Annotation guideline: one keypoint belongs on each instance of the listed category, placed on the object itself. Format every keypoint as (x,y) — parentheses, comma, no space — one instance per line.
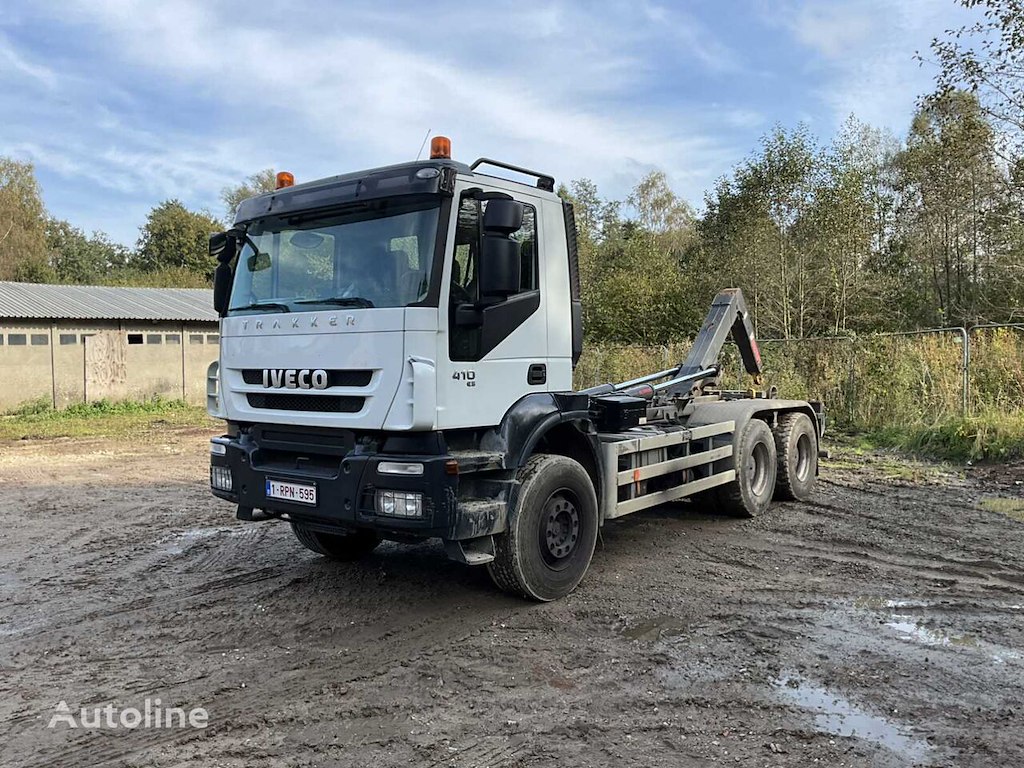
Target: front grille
(319,403)
(335,378)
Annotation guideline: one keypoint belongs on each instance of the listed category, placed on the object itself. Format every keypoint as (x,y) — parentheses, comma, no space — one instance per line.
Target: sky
(122,104)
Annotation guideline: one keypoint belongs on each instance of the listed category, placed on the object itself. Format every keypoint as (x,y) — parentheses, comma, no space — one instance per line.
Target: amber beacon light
(284,179)
(440,148)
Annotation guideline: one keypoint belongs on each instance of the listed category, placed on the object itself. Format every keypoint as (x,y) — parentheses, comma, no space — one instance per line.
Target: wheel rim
(757,469)
(803,457)
(559,529)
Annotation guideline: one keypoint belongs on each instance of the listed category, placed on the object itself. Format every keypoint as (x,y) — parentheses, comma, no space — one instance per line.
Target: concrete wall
(73,361)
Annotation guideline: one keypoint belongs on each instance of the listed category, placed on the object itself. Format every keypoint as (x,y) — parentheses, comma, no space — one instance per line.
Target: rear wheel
(797,446)
(552,530)
(347,546)
(754,456)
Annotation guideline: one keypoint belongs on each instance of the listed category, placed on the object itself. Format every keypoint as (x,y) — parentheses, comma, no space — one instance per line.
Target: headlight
(399,504)
(220,478)
(218,448)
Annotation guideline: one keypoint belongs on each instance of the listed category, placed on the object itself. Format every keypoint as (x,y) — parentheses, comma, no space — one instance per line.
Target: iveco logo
(294,379)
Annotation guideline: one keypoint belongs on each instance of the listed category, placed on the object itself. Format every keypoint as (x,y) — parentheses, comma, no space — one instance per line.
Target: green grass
(987,436)
(39,419)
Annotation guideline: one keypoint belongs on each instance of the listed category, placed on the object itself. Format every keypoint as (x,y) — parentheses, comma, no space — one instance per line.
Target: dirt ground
(882,625)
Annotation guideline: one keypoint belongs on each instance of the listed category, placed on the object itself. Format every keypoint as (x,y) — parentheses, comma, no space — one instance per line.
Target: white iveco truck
(397,350)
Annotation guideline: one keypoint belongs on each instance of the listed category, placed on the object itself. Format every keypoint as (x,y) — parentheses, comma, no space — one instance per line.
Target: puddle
(179,542)
(8,580)
(835,715)
(655,629)
(874,602)
(912,630)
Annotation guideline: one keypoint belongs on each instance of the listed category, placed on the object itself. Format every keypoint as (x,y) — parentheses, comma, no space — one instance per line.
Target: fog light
(220,478)
(400,468)
(399,504)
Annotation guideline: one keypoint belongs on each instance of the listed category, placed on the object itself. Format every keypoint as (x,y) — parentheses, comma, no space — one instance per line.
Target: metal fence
(866,381)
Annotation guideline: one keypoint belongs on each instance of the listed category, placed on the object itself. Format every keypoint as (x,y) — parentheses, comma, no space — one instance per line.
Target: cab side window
(467,248)
(526,236)
(465,338)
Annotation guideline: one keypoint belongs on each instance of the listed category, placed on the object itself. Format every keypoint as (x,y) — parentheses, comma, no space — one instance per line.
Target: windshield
(377,256)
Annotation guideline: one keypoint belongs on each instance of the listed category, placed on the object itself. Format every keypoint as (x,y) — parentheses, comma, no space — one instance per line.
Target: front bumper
(346,481)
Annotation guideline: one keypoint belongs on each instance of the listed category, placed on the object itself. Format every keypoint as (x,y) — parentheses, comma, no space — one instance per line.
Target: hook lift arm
(728,314)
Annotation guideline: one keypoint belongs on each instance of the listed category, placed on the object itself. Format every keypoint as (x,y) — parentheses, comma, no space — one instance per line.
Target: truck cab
(397,347)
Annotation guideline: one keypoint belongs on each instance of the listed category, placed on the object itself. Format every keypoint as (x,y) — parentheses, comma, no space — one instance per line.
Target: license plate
(294,492)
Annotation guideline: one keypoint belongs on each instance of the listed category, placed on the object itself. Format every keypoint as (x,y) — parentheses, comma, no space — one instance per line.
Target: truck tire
(750,493)
(797,446)
(337,546)
(552,530)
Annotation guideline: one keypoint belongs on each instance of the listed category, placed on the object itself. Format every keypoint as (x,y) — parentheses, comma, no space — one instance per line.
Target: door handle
(538,374)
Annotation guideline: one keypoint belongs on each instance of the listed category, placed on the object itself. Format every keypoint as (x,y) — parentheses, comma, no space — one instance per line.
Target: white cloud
(322,92)
(11,62)
(866,50)
(834,31)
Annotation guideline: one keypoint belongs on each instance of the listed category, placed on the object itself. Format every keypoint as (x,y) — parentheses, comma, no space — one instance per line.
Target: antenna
(425,137)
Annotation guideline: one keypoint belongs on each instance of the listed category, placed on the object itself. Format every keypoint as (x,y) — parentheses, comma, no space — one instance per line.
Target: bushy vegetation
(990,435)
(904,391)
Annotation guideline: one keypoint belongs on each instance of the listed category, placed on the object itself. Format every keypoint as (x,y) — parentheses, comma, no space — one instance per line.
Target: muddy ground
(882,625)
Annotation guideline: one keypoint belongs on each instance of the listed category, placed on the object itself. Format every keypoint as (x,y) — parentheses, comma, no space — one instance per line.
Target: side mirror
(502,217)
(223,246)
(499,267)
(222,288)
(500,260)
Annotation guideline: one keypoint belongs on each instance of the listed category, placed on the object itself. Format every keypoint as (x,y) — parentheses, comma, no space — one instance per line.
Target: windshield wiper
(274,305)
(340,301)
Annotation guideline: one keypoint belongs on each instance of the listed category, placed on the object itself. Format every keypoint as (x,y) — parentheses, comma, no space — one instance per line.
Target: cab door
(494,350)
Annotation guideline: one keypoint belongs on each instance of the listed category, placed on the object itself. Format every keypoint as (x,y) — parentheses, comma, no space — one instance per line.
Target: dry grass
(1012,508)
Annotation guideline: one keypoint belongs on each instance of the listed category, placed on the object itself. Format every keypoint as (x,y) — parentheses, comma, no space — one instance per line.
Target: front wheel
(552,530)
(347,546)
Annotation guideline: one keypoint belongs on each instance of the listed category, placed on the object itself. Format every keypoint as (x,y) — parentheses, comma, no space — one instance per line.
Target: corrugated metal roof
(30,301)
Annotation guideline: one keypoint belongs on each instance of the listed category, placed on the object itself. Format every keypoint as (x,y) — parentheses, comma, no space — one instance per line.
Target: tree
(659,210)
(636,289)
(256,184)
(754,233)
(639,293)
(987,58)
(22,224)
(174,236)
(954,210)
(596,220)
(76,258)
(848,226)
